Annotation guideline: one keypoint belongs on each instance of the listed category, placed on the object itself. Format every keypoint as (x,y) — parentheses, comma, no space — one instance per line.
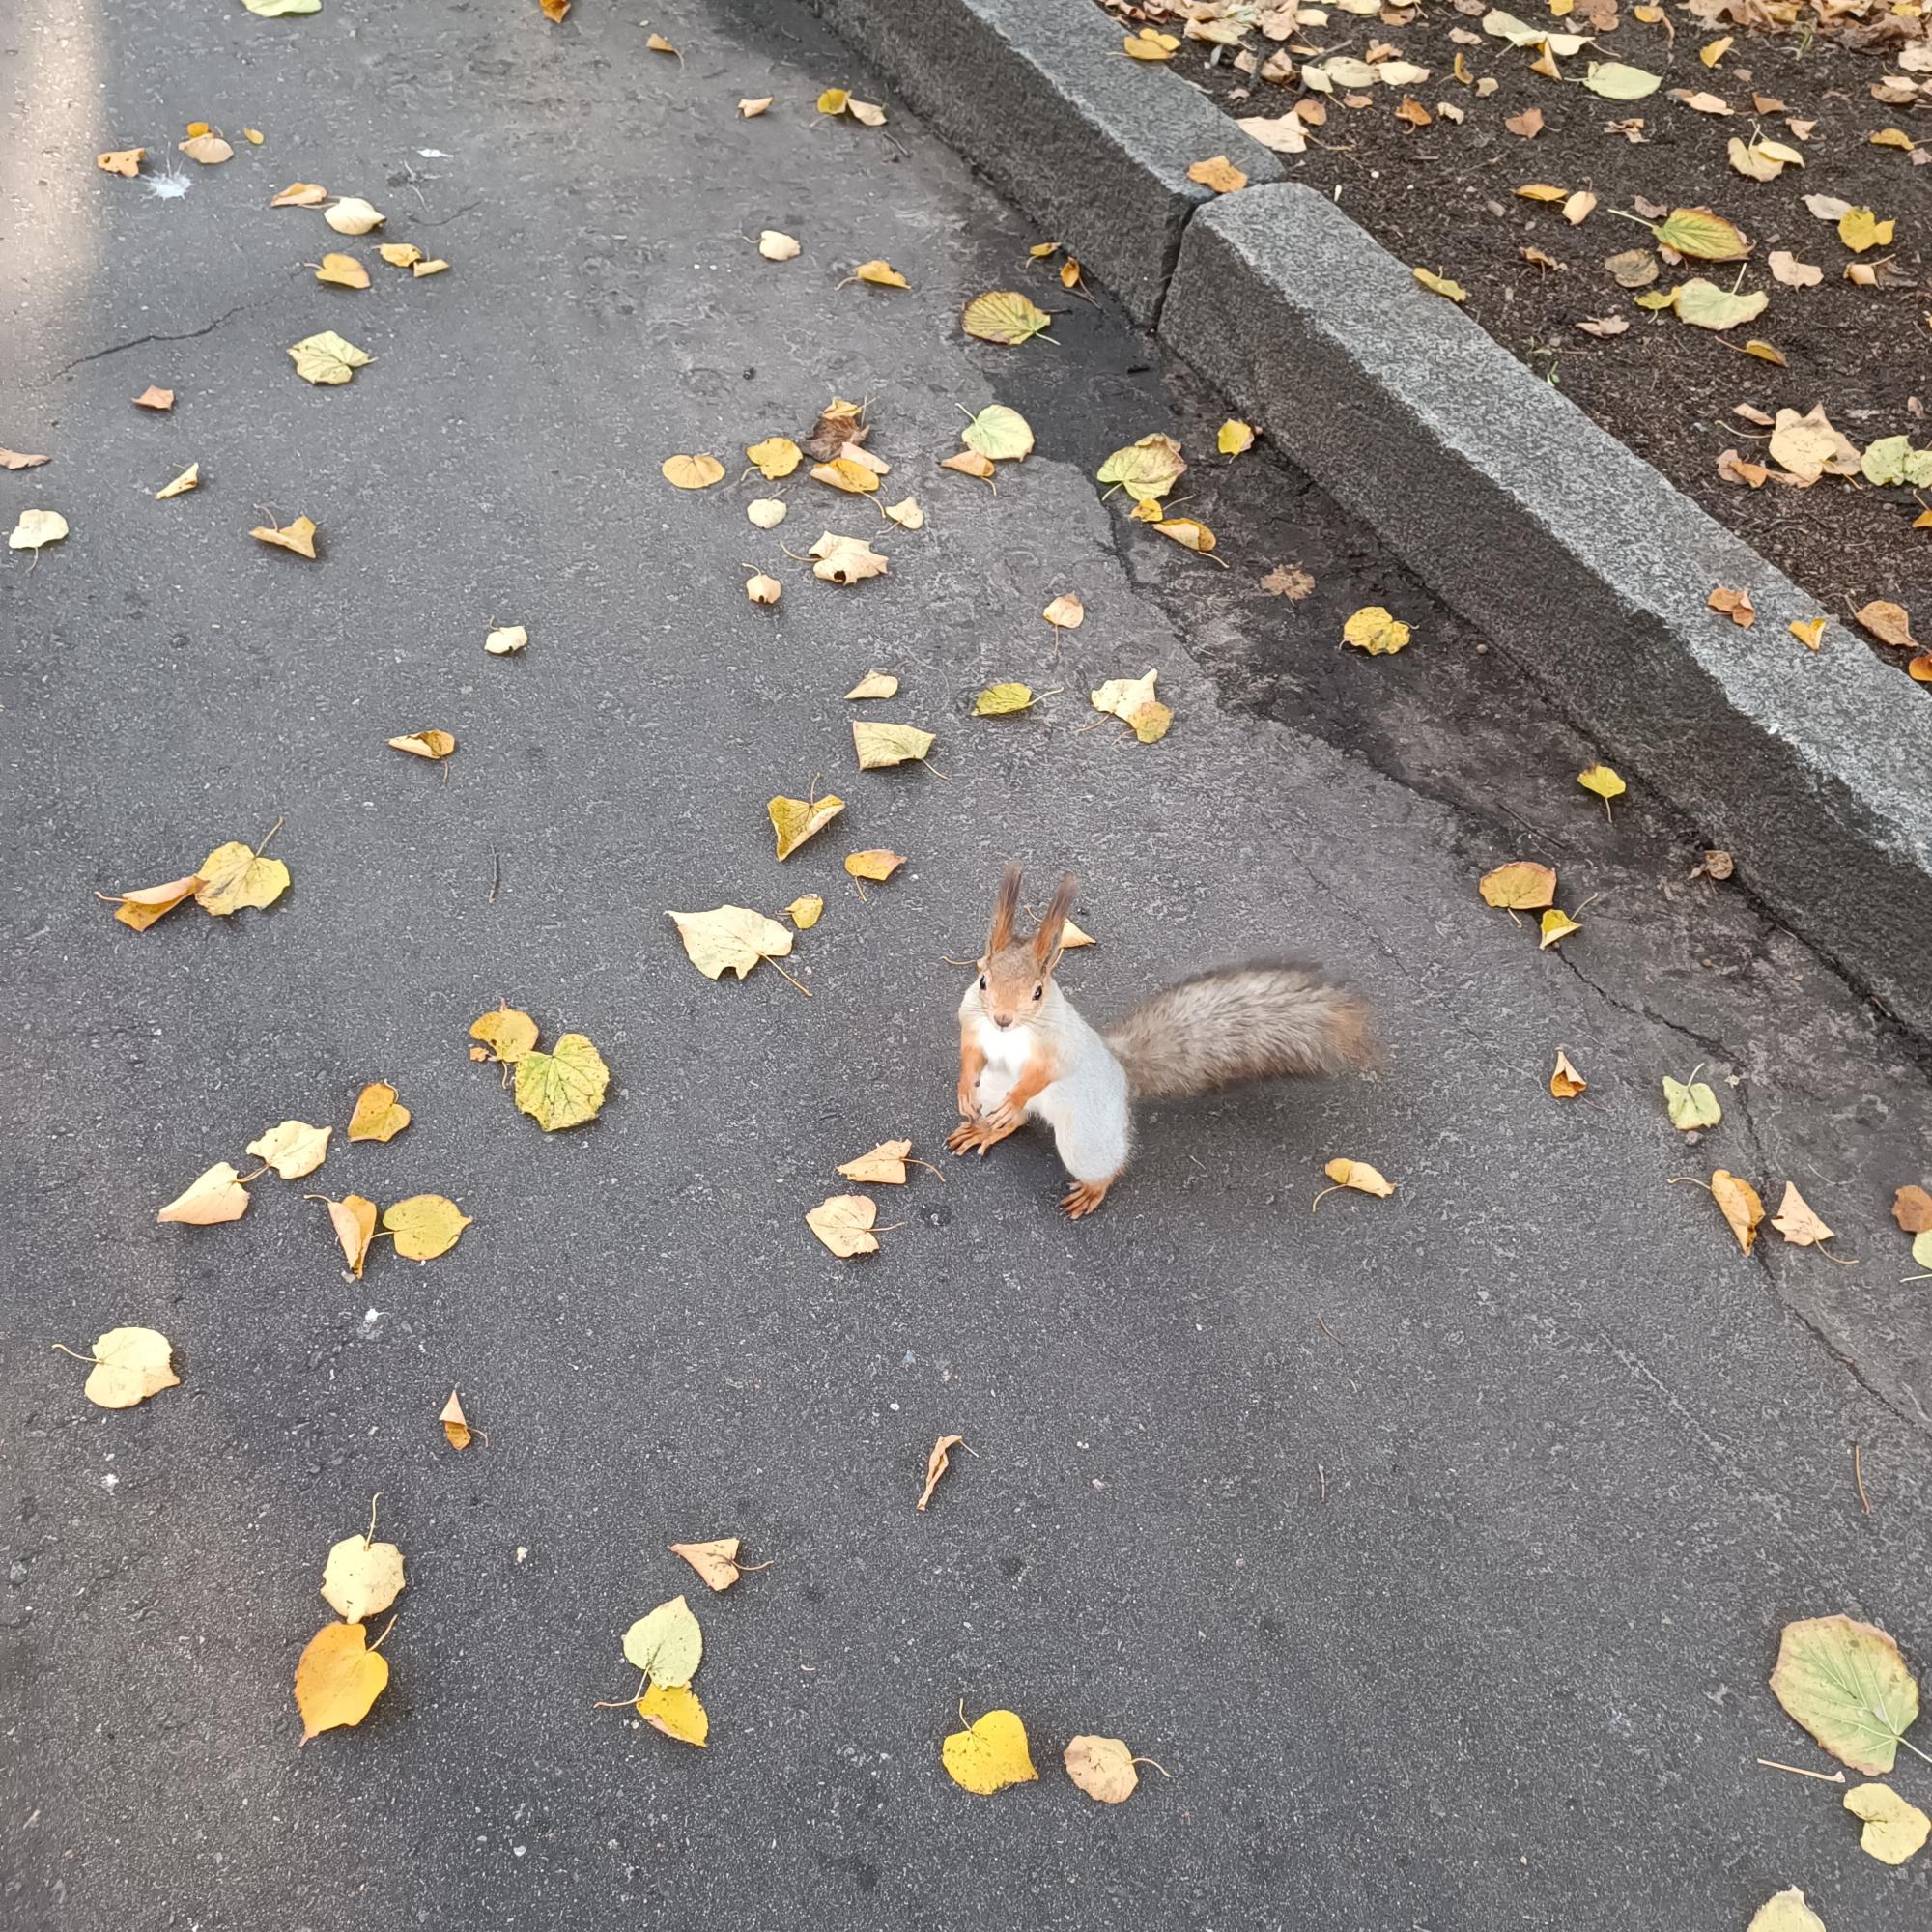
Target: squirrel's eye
(1038,991)
(983,982)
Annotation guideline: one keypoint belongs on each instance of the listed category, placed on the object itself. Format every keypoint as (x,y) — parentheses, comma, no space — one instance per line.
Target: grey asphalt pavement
(1437,1546)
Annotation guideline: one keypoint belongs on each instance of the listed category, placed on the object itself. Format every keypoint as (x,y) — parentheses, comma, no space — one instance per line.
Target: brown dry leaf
(876,864)
(1290,580)
(1566,1083)
(1065,612)
(884,1167)
(379,1115)
(1734,468)
(845,559)
(715,1561)
(1920,669)
(209,1199)
(1737,1200)
(1523,884)
(189,479)
(1887,622)
(1413,112)
(353,1219)
(797,819)
(152,398)
(13,459)
(1219,173)
(1736,604)
(1714,864)
(1632,268)
(936,1465)
(1538,259)
(300,194)
(298,536)
(435,745)
(1912,1209)
(121,161)
(343,272)
(140,909)
(339,1677)
(455,1424)
(1529,125)
(1797,1222)
(1103,1768)
(1604,325)
(843,1222)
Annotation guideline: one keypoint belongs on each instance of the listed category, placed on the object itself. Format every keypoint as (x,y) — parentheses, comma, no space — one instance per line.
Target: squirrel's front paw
(969,1105)
(1004,1118)
(971,1136)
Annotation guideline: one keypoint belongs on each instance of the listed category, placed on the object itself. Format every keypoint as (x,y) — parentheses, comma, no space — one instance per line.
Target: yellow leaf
(1189,532)
(658,44)
(1893,137)
(121,161)
(999,701)
(875,684)
(715,1561)
(763,589)
(1149,46)
(1103,1768)
(885,1166)
(1234,437)
(675,1710)
(843,474)
(1004,315)
(1071,936)
(1358,1175)
(37,527)
(1858,228)
(152,398)
(833,100)
(1069,274)
(1809,632)
(881,746)
(1737,1200)
(750,110)
(1524,884)
(455,1424)
(989,1755)
(881,276)
(1540,191)
(1147,469)
(1218,173)
(339,1677)
(253,136)
(1441,285)
(1065,613)
(1893,1828)
(428,1225)
(730,938)
(361,1578)
(1713,51)
(400,254)
(969,463)
(352,216)
(875,863)
(1558,925)
(301,194)
(777,246)
(869,114)
(1798,1221)
(1566,1083)
(141,909)
(435,745)
(1889,622)
(1603,781)
(936,1465)
(1376,631)
(327,360)
(353,1219)
(797,819)
(421,268)
(564,1088)
(344,271)
(298,536)
(843,1222)
(692,472)
(1576,207)
(777,457)
(189,479)
(234,876)
(667,1644)
(907,514)
(129,1365)
(554,10)
(1785,1912)
(1691,1104)
(294,1149)
(379,1115)
(196,127)
(1765,351)
(210,150)
(845,559)
(806,911)
(1132,698)
(508,1032)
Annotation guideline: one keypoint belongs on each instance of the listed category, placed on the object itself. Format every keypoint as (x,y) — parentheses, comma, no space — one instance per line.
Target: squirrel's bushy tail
(1252,1022)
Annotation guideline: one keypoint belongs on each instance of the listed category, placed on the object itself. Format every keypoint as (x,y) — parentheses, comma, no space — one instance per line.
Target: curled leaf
(936,1465)
(797,819)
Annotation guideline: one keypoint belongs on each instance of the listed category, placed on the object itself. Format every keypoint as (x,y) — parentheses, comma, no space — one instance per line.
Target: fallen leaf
(806,911)
(875,684)
(1715,864)
(1065,612)
(1887,622)
(730,938)
(879,745)
(843,474)
(667,1644)
(294,1149)
(969,463)
(1441,285)
(1557,926)
(277,10)
(1103,1768)
(1736,604)
(885,1166)
(140,909)
(503,642)
(1189,532)
(906,513)
(1521,884)
(1713,51)
(455,1424)
(675,1710)
(1149,46)
(1698,233)
(1615,81)
(13,459)
(327,360)
(763,589)
(428,1225)
(989,1754)
(564,1088)
(865,112)
(845,559)
(1413,112)
(1145,469)
(999,433)
(1809,631)
(1071,936)
(1691,1104)
(797,819)
(1701,102)
(1797,1221)
(1706,305)
(1809,447)
(435,745)
(1373,630)
(507,1033)
(1846,1683)
(121,161)
(343,272)
(692,472)
(1002,701)
(1912,1209)
(750,110)
(1576,206)
(1566,1083)
(361,1578)
(1737,1203)
(208,149)
(1603,781)
(1529,125)
(1004,315)
(379,1115)
(353,1219)
(833,100)
(189,479)
(1893,459)
(1733,469)
(936,1465)
(843,1222)
(1893,1827)
(1539,257)
(1786,268)
(234,875)
(1218,173)
(352,216)
(658,44)
(1357,1174)
(776,246)
(1133,699)
(339,1677)
(1234,437)
(1286,133)
(129,1365)
(301,194)
(875,863)
(880,276)
(1785,1912)
(298,536)
(399,254)
(776,458)
(715,1561)
(1632,268)
(1858,228)
(37,527)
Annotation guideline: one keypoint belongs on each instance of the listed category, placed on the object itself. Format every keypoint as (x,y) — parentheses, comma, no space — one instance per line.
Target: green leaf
(1615,81)
(1692,1106)
(1892,459)
(1698,233)
(1441,285)
(274,10)
(1847,1683)
(564,1087)
(1705,305)
(998,700)
(1147,469)
(666,1645)
(1004,315)
(999,434)
(881,745)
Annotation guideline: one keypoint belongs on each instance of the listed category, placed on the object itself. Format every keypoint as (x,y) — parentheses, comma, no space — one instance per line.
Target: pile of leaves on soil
(1523,167)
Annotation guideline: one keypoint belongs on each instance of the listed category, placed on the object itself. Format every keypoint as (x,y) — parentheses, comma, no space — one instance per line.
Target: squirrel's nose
(1003,1019)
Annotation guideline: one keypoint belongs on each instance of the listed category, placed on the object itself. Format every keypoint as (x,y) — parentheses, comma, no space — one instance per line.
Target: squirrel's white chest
(1008,1049)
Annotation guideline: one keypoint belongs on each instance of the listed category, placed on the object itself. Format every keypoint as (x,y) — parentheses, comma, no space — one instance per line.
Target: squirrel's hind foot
(1084,1196)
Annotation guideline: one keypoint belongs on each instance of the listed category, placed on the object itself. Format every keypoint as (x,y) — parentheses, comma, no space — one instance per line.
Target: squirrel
(1025,1053)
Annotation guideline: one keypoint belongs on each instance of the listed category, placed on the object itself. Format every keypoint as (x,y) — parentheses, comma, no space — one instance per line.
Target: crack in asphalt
(141,341)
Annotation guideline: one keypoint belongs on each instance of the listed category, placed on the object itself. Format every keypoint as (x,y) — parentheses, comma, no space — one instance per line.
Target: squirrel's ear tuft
(1047,940)
(1006,909)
